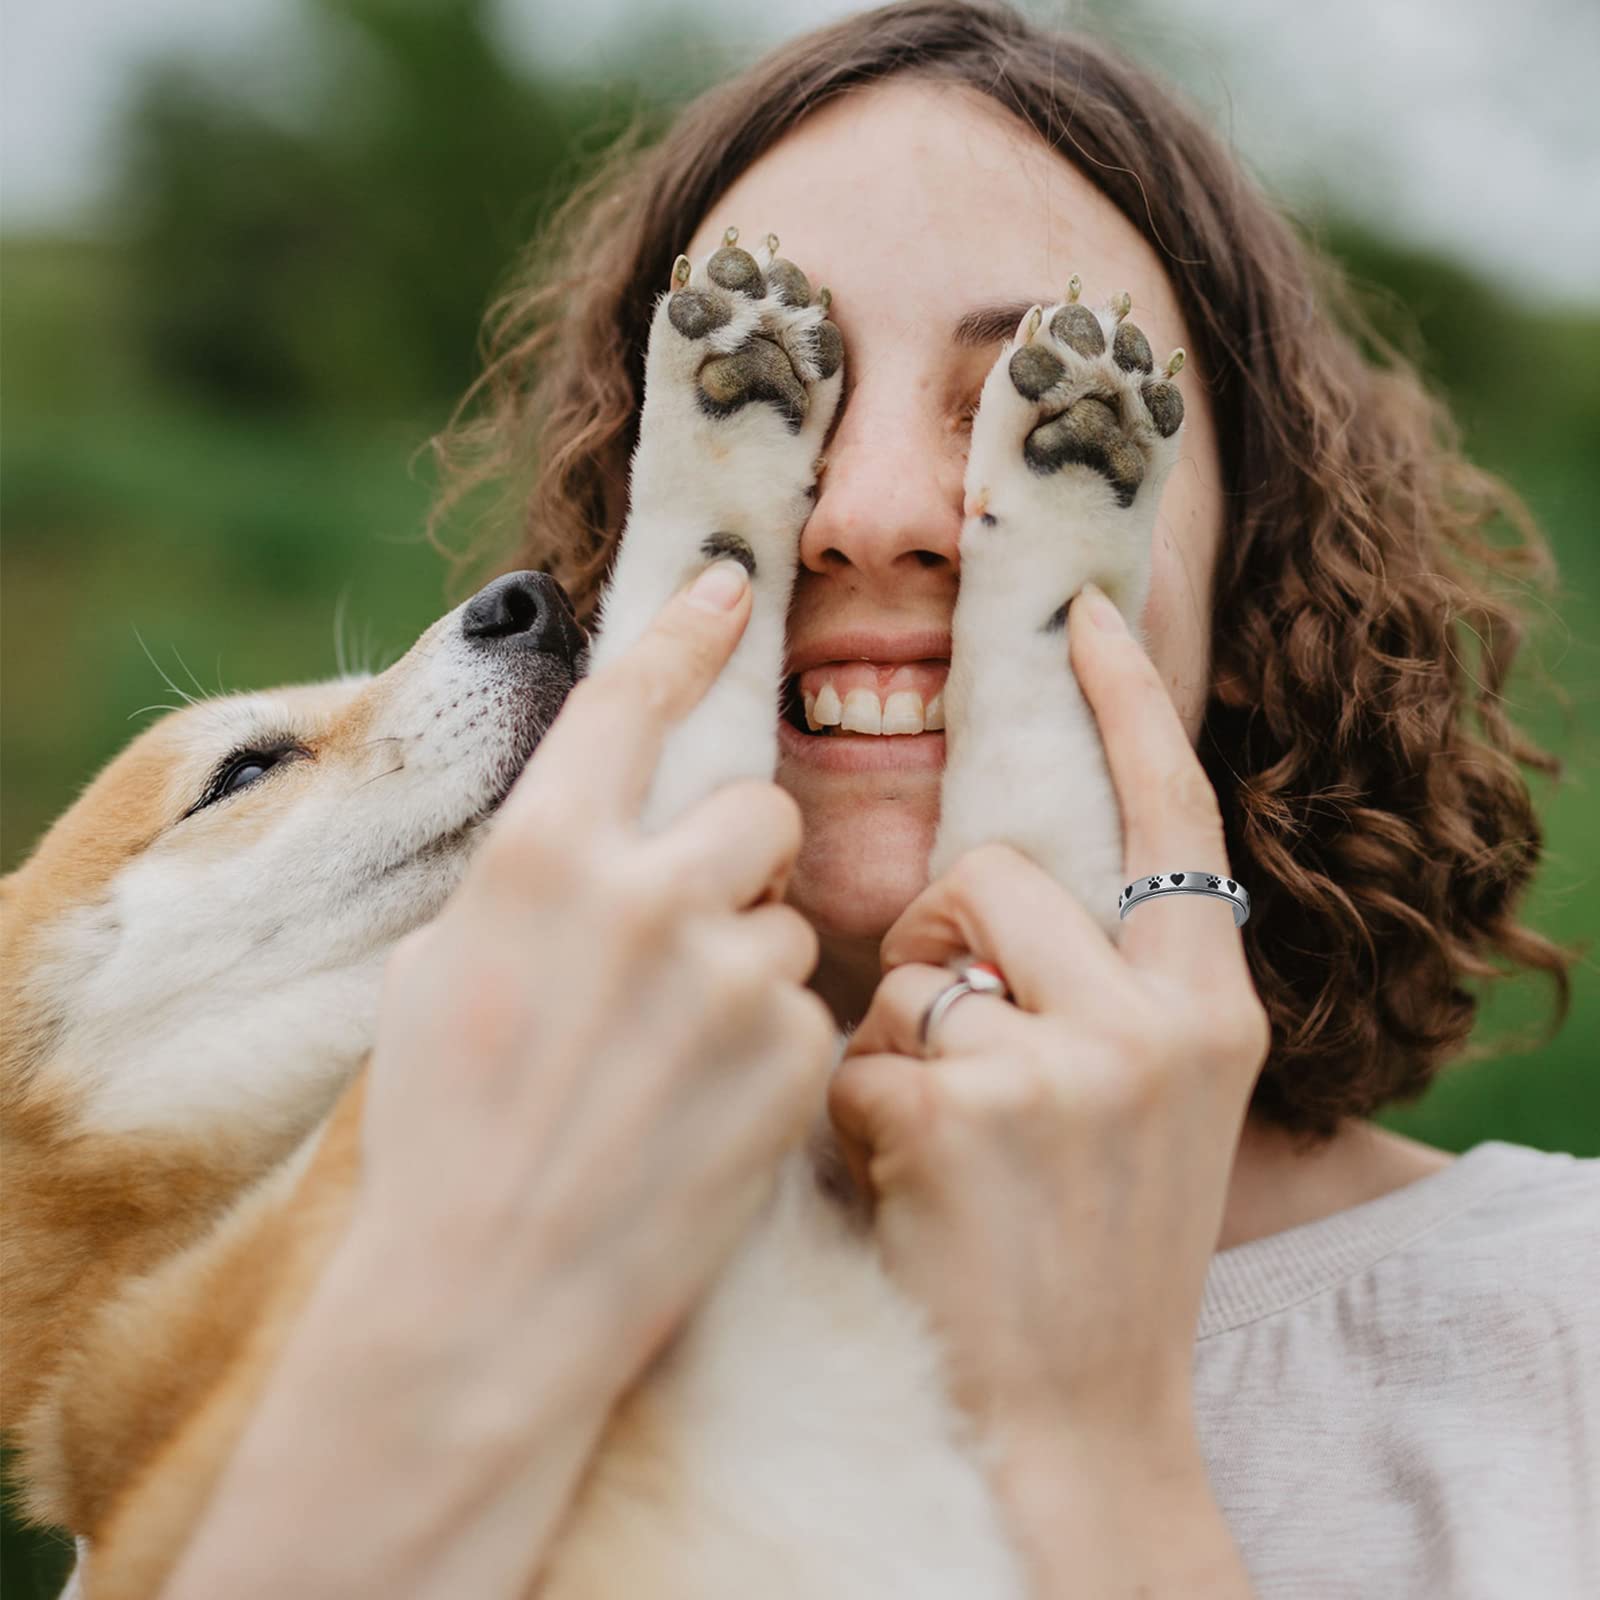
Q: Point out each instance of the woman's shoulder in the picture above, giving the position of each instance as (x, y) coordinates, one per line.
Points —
(1504, 1231)
(1526, 1207)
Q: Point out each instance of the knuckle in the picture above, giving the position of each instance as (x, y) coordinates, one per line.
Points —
(522, 853)
(815, 1038)
(1239, 1031)
(902, 991)
(1018, 1097)
(802, 936)
(633, 892)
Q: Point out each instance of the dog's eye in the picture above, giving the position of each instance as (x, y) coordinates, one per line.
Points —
(244, 771)
(240, 770)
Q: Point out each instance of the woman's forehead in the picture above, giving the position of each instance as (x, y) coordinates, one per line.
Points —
(914, 192)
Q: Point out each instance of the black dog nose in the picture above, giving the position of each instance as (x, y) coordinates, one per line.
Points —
(526, 610)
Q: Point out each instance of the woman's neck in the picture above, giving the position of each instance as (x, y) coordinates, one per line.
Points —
(848, 971)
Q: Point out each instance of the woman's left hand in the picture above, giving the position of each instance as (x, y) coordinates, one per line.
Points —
(1050, 1184)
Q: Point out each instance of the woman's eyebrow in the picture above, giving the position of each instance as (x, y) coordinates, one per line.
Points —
(990, 324)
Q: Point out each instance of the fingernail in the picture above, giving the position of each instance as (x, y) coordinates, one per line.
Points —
(718, 588)
(1102, 613)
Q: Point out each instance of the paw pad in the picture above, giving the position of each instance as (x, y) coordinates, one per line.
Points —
(766, 339)
(1085, 376)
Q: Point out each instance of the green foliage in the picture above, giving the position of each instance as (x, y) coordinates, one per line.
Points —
(210, 413)
(339, 261)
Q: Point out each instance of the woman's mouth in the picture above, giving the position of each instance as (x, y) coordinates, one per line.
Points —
(863, 715)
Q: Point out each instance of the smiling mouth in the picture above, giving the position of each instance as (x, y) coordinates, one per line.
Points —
(876, 701)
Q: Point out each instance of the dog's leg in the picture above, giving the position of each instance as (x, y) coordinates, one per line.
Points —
(741, 380)
(1074, 437)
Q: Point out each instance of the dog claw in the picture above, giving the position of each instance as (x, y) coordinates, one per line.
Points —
(680, 272)
(1074, 289)
(1030, 323)
(824, 298)
(730, 236)
(1175, 362)
(1122, 305)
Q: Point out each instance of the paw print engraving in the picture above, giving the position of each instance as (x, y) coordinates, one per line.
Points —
(1155, 883)
(1211, 883)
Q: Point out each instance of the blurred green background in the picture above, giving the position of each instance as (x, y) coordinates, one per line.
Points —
(213, 389)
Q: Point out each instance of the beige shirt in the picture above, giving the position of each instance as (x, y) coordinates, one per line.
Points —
(1403, 1399)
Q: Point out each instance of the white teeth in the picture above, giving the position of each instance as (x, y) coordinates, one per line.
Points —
(862, 712)
(902, 712)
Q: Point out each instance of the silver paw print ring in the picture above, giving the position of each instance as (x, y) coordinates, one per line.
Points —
(1161, 884)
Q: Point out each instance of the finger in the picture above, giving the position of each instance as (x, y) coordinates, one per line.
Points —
(600, 754)
(893, 1024)
(1170, 815)
(781, 939)
(737, 846)
(999, 906)
(881, 1105)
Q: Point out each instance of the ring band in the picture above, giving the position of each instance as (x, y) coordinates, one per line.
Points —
(976, 977)
(1160, 884)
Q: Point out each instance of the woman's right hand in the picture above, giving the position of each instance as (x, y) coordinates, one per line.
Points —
(588, 1066)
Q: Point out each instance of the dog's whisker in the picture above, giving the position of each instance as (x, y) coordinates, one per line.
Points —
(338, 632)
(204, 694)
(159, 706)
(182, 694)
(389, 774)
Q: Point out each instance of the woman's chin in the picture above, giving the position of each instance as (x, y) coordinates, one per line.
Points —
(857, 871)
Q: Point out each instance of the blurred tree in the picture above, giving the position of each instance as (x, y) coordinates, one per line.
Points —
(344, 263)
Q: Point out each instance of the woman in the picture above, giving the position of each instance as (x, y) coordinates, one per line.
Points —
(1216, 1348)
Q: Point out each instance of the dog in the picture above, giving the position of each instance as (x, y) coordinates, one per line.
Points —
(193, 959)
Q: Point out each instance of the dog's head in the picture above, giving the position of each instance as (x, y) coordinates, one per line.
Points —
(202, 935)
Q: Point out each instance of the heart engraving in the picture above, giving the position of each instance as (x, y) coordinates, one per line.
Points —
(1177, 877)
(1230, 885)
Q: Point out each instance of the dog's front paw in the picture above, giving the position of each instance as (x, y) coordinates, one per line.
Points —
(741, 382)
(1074, 435)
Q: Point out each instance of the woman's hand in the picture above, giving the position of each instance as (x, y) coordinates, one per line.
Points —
(1051, 1184)
(588, 1065)
(587, 1068)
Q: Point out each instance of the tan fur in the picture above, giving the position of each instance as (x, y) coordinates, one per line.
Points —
(133, 1269)
(209, 1331)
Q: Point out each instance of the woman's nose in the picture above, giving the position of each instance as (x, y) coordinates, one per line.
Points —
(889, 498)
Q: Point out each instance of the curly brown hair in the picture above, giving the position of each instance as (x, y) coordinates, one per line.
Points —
(1386, 843)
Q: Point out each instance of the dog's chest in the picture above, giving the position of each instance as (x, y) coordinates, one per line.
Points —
(797, 1442)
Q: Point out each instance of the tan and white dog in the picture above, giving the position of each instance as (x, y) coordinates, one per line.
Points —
(193, 955)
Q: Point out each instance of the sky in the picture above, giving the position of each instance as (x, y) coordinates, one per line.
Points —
(1469, 126)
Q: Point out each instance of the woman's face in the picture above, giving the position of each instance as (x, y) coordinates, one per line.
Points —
(916, 204)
